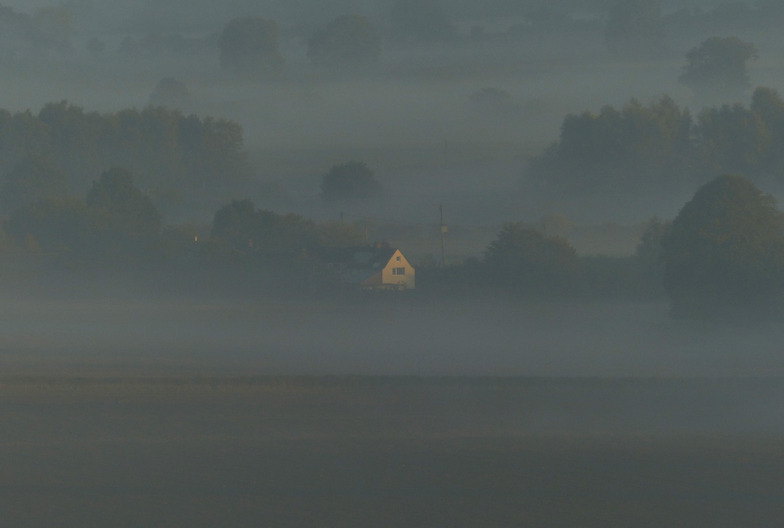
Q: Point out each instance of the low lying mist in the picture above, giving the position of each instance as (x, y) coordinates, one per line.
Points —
(378, 337)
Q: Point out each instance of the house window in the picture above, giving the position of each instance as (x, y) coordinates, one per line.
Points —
(397, 258)
(398, 271)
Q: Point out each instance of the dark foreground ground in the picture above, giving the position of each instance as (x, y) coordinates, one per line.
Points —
(115, 451)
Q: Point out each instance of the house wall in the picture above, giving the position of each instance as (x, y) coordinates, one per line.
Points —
(388, 276)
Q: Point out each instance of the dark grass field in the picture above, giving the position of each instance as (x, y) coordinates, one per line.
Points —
(101, 451)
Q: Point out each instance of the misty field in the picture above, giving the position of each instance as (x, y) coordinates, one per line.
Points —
(393, 412)
(133, 335)
(390, 451)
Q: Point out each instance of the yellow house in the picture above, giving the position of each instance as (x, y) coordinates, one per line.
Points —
(377, 268)
(393, 272)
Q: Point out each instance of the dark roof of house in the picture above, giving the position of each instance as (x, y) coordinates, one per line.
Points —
(363, 257)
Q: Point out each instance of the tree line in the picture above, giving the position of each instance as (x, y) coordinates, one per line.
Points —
(661, 148)
(58, 151)
(115, 229)
(722, 257)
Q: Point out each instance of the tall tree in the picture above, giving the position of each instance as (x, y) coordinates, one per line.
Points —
(122, 207)
(637, 149)
(724, 253)
(171, 93)
(767, 105)
(732, 138)
(32, 180)
(60, 227)
(350, 182)
(244, 229)
(234, 223)
(524, 260)
(717, 69)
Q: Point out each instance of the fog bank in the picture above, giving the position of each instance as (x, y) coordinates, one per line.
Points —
(483, 338)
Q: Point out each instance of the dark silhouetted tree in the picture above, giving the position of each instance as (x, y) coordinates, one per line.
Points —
(246, 230)
(724, 254)
(24, 37)
(169, 153)
(32, 180)
(235, 224)
(523, 260)
(249, 46)
(171, 93)
(121, 207)
(768, 106)
(350, 182)
(717, 68)
(635, 149)
(57, 226)
(349, 42)
(732, 139)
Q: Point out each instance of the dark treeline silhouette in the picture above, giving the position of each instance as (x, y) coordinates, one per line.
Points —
(61, 220)
(172, 156)
(638, 26)
(117, 232)
(661, 149)
(721, 257)
(522, 262)
(717, 68)
(22, 35)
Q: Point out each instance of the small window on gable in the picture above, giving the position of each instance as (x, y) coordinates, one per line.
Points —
(397, 258)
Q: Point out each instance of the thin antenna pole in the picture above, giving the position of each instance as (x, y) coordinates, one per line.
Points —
(443, 231)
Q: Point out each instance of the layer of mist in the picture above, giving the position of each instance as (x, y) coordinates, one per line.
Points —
(180, 346)
(481, 338)
(414, 119)
(407, 118)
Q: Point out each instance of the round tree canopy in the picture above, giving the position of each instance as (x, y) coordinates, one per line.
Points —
(725, 250)
(352, 181)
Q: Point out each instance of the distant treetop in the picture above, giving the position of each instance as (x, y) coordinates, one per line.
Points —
(171, 93)
(249, 46)
(717, 68)
(350, 182)
(348, 42)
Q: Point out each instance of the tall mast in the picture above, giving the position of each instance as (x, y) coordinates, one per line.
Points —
(442, 225)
